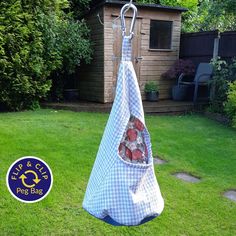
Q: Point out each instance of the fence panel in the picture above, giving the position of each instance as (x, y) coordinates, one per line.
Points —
(227, 46)
(199, 47)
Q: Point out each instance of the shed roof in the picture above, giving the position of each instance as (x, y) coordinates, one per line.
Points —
(97, 3)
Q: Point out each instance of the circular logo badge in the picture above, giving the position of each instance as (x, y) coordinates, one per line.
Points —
(29, 179)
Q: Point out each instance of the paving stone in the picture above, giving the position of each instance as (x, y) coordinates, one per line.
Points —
(187, 177)
(231, 194)
(157, 160)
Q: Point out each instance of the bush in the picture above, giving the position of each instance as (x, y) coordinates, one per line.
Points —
(36, 38)
(230, 104)
(151, 86)
(78, 7)
(180, 66)
(223, 73)
(22, 81)
(67, 41)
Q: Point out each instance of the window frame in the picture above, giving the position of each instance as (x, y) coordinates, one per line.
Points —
(171, 35)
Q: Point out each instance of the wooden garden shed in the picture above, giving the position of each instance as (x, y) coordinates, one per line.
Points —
(155, 48)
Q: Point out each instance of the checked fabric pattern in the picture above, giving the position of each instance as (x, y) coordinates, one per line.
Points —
(121, 192)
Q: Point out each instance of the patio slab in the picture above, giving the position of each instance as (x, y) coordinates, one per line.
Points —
(231, 194)
(158, 161)
(187, 177)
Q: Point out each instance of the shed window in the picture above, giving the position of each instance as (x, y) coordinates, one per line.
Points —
(160, 34)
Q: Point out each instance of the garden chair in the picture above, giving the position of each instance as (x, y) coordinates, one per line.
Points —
(201, 78)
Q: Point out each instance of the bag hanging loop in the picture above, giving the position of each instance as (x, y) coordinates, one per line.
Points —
(124, 9)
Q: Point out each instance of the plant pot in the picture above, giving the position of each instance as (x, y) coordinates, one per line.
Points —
(3, 107)
(179, 92)
(71, 95)
(189, 93)
(152, 96)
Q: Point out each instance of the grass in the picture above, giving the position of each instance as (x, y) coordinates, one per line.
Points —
(68, 142)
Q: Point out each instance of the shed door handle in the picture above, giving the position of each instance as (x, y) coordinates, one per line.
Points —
(137, 59)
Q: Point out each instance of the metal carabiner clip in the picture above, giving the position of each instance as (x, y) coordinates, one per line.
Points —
(123, 10)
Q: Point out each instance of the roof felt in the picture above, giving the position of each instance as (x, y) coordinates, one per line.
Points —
(141, 5)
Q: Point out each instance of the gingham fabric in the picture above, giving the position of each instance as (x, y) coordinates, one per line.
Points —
(121, 192)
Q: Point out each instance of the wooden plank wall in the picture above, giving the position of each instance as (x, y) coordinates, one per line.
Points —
(112, 48)
(153, 62)
(91, 77)
(199, 46)
(108, 57)
(227, 47)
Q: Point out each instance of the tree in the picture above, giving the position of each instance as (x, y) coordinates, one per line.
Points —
(188, 17)
(191, 5)
(219, 15)
(203, 15)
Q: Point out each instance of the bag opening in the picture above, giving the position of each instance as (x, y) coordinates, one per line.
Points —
(133, 147)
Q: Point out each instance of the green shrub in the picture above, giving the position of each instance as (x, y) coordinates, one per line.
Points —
(151, 86)
(230, 105)
(20, 65)
(36, 38)
(223, 73)
(78, 7)
(65, 42)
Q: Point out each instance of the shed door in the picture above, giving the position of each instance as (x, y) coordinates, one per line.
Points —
(136, 47)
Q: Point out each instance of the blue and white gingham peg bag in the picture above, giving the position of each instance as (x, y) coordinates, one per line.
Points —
(122, 188)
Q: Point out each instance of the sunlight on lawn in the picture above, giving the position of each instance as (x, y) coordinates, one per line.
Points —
(69, 141)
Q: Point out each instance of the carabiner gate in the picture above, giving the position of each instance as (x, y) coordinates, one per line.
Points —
(123, 10)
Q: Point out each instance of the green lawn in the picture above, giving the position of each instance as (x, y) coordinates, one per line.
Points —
(68, 142)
